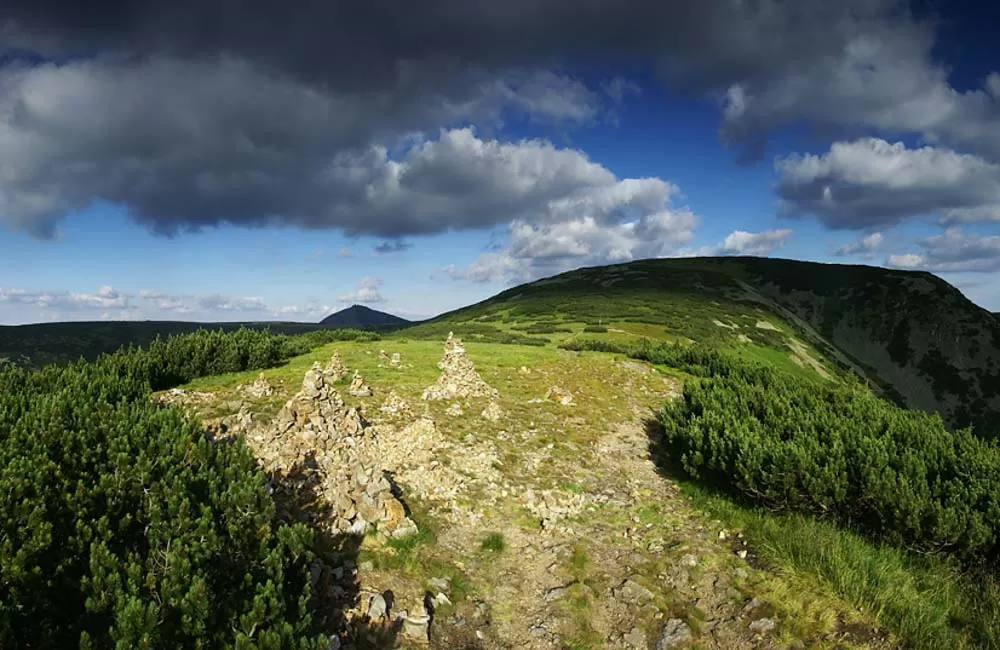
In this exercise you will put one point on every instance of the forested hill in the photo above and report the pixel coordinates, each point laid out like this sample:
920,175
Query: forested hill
39,344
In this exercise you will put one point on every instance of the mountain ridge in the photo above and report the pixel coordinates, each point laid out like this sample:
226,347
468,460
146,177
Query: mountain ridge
873,321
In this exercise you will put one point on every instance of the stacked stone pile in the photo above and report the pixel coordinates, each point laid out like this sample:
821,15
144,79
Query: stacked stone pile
458,375
320,449
259,388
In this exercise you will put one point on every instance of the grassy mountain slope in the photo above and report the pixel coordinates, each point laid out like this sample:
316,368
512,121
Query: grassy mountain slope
913,336
361,317
917,333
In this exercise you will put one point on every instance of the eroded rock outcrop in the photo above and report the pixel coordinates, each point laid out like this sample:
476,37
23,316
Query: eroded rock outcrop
458,375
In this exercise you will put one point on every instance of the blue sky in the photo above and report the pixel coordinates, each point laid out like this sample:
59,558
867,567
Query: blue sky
444,157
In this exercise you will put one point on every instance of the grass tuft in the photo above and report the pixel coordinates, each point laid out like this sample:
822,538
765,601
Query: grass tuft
493,542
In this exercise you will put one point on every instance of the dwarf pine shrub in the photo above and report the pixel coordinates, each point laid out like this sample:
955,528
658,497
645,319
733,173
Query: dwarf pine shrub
122,525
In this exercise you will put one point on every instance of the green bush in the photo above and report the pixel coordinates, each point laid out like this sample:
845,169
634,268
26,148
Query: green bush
310,340
122,525
838,451
542,328
834,450
595,329
493,542
697,359
175,360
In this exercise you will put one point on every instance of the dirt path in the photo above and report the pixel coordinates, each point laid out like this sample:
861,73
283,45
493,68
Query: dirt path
600,550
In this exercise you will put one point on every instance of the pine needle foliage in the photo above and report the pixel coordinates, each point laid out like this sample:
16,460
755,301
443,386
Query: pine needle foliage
122,525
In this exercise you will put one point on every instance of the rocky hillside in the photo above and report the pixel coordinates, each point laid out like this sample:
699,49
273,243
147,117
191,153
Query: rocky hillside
913,331
507,498
910,334
361,317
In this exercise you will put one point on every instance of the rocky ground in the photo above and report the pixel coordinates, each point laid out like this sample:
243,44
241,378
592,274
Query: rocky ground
507,506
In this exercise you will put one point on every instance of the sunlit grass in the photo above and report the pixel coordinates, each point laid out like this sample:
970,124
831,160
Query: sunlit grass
926,602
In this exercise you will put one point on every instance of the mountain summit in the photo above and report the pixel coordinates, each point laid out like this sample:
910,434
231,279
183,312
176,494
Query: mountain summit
362,317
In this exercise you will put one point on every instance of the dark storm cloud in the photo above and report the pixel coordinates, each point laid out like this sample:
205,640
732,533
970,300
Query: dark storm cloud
365,44
200,113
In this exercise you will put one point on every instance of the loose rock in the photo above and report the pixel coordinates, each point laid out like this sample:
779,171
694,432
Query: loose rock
636,638
416,627
396,405
673,634
633,591
560,395
492,412
763,625
377,607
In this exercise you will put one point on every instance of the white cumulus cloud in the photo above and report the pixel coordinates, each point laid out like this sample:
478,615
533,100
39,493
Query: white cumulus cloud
953,251
367,291
871,183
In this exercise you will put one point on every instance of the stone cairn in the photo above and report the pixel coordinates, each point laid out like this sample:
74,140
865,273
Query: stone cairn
358,387
384,360
492,412
335,370
315,448
458,376
260,387
560,395
396,405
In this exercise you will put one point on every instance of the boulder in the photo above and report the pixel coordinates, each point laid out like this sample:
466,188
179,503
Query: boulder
673,635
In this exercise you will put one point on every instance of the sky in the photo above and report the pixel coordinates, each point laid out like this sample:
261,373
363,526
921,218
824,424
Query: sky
183,161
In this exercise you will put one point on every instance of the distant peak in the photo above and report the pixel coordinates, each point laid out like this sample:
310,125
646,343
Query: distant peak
361,316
